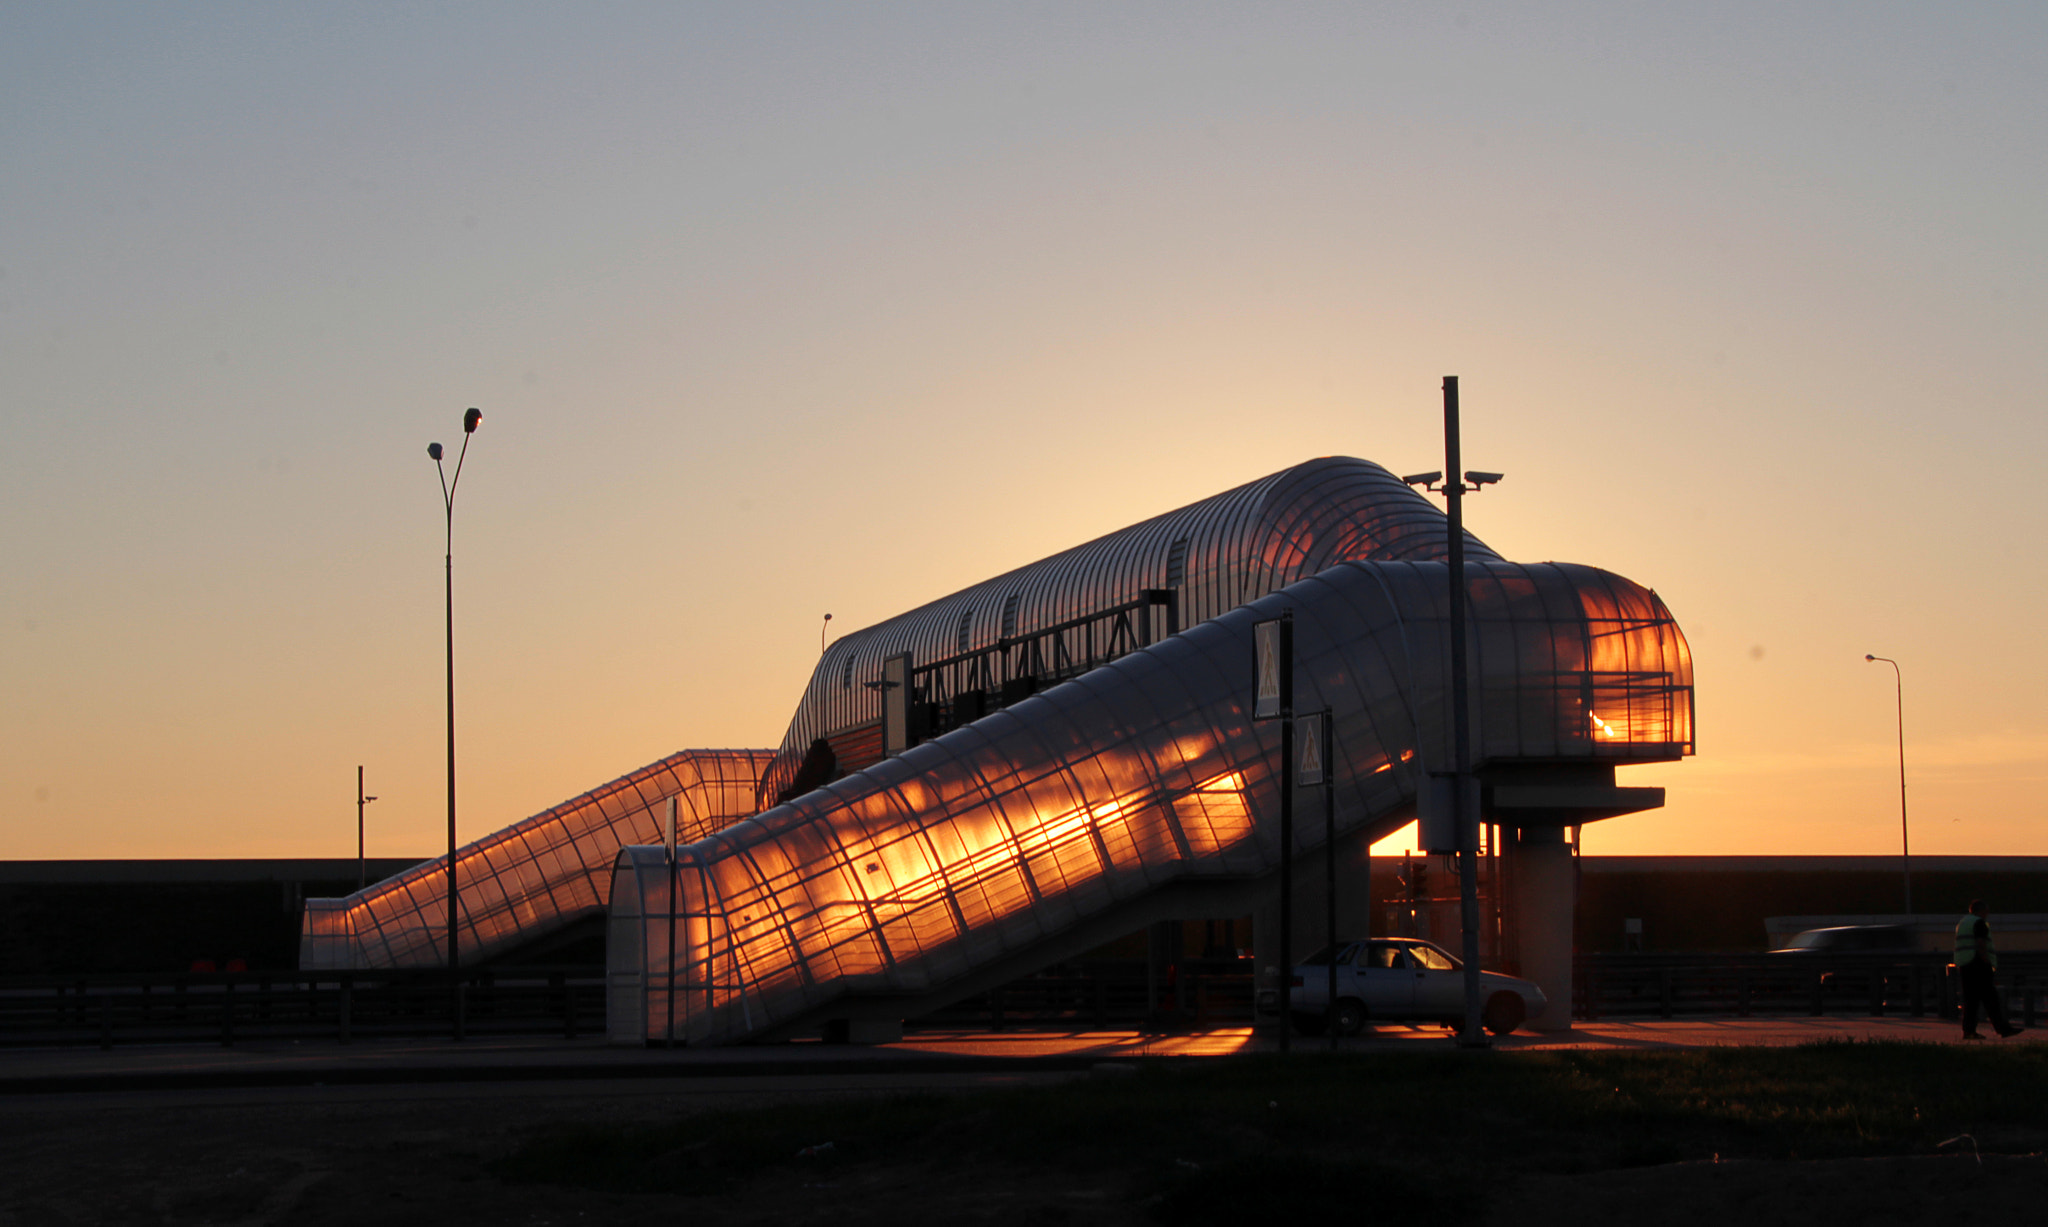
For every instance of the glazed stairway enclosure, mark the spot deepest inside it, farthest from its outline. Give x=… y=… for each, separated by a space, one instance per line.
x=1138 y=791
x=532 y=879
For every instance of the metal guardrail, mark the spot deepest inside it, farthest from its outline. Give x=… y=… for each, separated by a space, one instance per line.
x=232 y=1007
x=1915 y=985
x=1192 y=999
x=342 y=1006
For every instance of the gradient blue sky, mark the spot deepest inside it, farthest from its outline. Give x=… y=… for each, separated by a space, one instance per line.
x=780 y=309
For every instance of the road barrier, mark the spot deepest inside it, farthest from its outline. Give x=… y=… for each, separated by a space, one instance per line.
x=234 y=1007
x=231 y=1007
x=1916 y=985
x=1197 y=995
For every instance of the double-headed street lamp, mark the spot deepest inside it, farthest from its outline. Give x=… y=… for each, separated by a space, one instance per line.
x=1454 y=488
x=469 y=424
x=1905 y=847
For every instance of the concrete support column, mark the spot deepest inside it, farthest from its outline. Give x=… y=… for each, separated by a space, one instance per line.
x=1541 y=907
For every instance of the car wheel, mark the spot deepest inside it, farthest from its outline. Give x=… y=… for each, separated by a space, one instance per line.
x=1504 y=1012
x=1309 y=1024
x=1350 y=1016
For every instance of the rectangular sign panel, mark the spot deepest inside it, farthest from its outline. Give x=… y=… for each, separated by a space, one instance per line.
x=1437 y=812
x=895 y=689
x=1266 y=695
x=1311 y=749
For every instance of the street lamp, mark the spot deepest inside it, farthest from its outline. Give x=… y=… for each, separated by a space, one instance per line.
x=1454 y=490
x=469 y=424
x=822 y=628
x=1905 y=848
x=362 y=866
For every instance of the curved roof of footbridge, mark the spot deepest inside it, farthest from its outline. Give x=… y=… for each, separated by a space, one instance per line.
x=1215 y=555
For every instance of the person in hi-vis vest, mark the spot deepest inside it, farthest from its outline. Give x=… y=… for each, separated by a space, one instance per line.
x=1977 y=964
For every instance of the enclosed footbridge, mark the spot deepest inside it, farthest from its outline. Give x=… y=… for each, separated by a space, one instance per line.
x=1005 y=777
x=1047 y=760
x=533 y=879
x=975 y=651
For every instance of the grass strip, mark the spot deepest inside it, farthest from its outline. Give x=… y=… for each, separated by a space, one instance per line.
x=1210 y=1140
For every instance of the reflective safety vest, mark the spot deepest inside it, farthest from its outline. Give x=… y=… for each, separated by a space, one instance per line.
x=1966 y=942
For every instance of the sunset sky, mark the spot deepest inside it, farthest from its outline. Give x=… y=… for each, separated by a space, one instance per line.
x=774 y=310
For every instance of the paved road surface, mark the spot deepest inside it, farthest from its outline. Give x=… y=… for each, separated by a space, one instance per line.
x=924 y=1056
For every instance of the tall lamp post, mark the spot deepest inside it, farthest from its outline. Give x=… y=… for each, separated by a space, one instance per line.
x=469 y=424
x=362 y=865
x=1905 y=846
x=1454 y=487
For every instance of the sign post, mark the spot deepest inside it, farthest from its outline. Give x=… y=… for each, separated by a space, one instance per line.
x=668 y=842
x=1273 y=699
x=1319 y=770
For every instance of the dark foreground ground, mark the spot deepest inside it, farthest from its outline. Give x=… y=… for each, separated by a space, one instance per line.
x=1871 y=1132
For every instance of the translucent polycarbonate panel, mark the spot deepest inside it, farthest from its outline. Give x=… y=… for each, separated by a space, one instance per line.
x=530 y=878
x=1067 y=804
x=328 y=935
x=1223 y=551
x=1565 y=662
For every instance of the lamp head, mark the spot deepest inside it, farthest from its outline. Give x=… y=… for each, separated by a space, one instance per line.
x=828 y=617
x=434 y=451
x=1868 y=656
x=470 y=419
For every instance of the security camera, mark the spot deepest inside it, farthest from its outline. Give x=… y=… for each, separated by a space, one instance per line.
x=1482 y=479
x=1422 y=479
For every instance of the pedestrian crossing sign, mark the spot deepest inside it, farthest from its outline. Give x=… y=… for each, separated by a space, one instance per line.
x=1268 y=699
x=1311 y=741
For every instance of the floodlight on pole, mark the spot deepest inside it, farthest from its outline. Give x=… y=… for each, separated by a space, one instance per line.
x=1905 y=846
x=470 y=420
x=1472 y=1035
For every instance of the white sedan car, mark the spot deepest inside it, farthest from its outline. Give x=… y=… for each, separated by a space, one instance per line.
x=1401 y=979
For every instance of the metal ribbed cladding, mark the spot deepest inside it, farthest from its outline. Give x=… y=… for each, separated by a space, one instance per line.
x=1228 y=549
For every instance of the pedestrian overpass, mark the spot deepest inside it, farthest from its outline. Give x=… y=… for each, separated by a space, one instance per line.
x=1058 y=756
